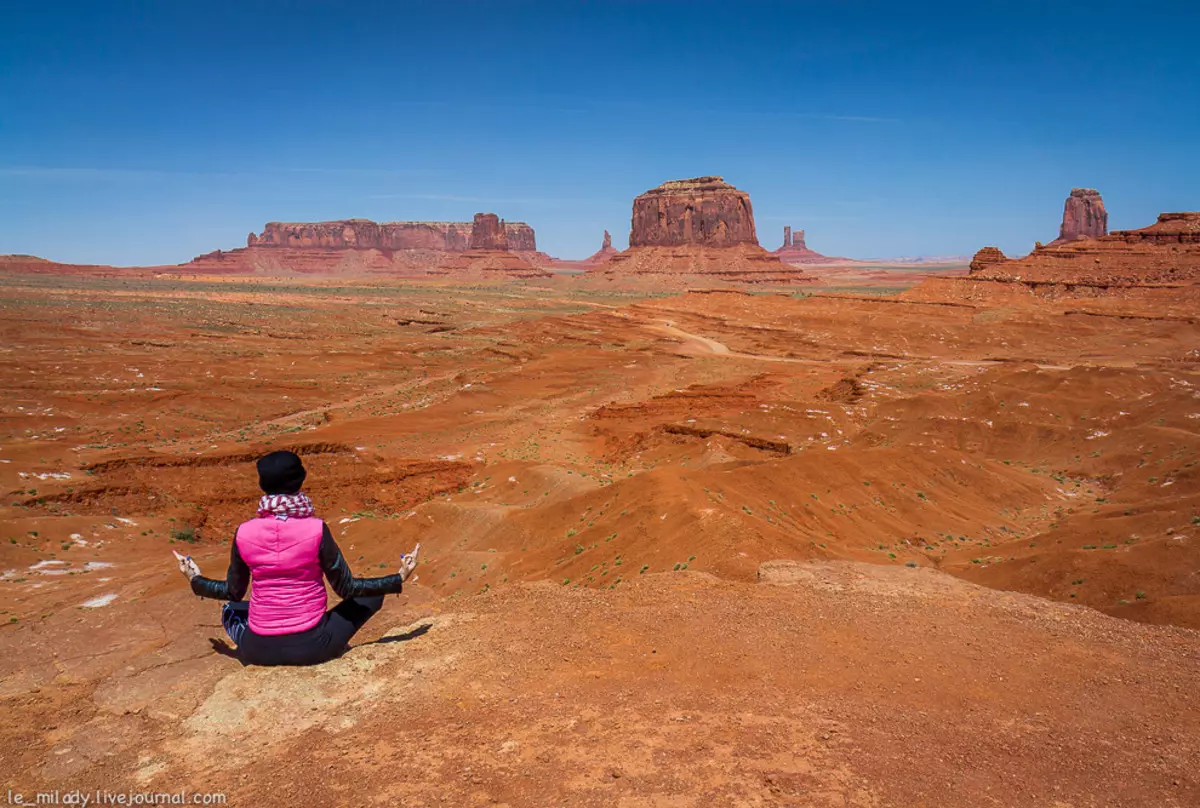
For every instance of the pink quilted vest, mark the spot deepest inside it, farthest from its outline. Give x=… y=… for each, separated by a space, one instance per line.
x=287 y=592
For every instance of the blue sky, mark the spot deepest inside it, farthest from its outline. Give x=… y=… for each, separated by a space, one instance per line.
x=149 y=132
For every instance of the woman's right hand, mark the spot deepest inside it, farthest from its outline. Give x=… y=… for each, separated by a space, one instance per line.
x=408 y=563
x=188 y=567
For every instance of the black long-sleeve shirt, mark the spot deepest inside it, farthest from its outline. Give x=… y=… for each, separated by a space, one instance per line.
x=333 y=564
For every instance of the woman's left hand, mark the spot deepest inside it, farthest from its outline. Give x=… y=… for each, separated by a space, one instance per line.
x=408 y=563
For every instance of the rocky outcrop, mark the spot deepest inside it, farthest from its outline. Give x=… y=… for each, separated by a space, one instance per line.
x=701 y=212
x=486 y=247
x=793 y=239
x=520 y=237
x=352 y=234
x=318 y=261
x=741 y=264
x=492 y=265
x=795 y=251
x=363 y=234
x=697 y=227
x=488 y=233
x=986 y=257
x=458 y=237
x=1084 y=216
x=1170 y=229
x=1162 y=257
x=605 y=252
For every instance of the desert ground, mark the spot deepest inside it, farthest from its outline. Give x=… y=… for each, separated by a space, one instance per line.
x=840 y=545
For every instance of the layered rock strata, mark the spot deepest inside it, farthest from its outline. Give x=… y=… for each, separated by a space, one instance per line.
x=986 y=257
x=697 y=227
x=485 y=247
x=744 y=263
x=796 y=251
x=488 y=233
x=1166 y=252
x=704 y=211
x=364 y=234
x=1156 y=268
x=1084 y=216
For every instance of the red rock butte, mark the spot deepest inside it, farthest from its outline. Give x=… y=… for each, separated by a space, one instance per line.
x=1157 y=265
x=1166 y=252
x=795 y=251
x=697 y=227
x=704 y=211
x=488 y=232
x=1084 y=216
x=365 y=234
x=485 y=247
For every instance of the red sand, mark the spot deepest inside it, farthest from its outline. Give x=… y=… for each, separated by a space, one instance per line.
x=711 y=548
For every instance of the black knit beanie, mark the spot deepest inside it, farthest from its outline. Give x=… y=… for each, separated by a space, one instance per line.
x=280 y=473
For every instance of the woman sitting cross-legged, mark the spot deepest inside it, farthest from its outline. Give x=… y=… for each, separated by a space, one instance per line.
x=286 y=553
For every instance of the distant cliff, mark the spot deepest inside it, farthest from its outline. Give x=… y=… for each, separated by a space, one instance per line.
x=363 y=234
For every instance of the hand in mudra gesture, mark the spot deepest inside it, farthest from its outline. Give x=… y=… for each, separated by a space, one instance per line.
x=408 y=563
x=188 y=567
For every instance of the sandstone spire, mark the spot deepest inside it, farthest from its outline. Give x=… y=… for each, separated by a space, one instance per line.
x=1084 y=216
x=488 y=233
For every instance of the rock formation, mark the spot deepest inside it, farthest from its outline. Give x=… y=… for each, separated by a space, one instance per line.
x=705 y=211
x=697 y=227
x=351 y=234
x=520 y=237
x=605 y=252
x=1166 y=252
x=1170 y=229
x=486 y=247
x=1084 y=216
x=488 y=233
x=363 y=234
x=1159 y=264
x=986 y=257
x=458 y=237
x=795 y=251
x=793 y=239
x=740 y=264
x=490 y=265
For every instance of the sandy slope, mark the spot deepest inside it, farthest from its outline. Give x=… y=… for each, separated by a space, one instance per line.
x=653 y=454
x=826 y=684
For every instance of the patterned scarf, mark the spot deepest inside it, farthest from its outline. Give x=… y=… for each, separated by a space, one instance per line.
x=284 y=506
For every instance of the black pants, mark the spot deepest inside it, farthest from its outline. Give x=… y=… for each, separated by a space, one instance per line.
x=321 y=643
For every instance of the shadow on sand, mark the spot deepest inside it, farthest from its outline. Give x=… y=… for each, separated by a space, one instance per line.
x=411 y=634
